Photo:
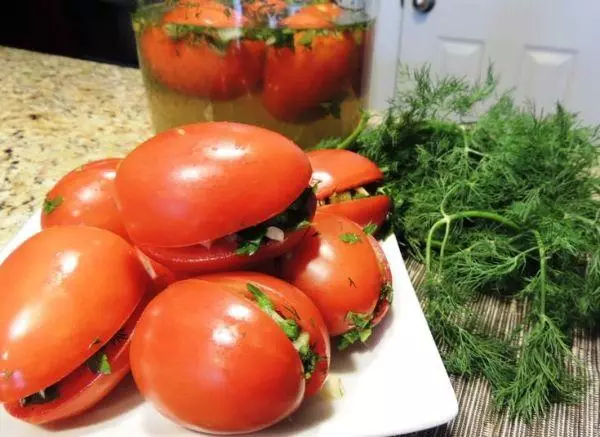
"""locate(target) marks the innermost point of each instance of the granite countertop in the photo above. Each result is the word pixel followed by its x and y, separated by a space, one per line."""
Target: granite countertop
pixel 57 113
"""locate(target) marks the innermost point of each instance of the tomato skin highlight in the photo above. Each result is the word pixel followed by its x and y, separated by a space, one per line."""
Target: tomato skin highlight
pixel 87 197
pixel 63 289
pixel 82 389
pixel 340 277
pixel 338 170
pixel 189 178
pixel 286 297
pixel 210 360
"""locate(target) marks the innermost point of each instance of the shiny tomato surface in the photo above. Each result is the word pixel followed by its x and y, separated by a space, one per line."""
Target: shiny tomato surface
pixel 83 388
pixel 207 180
pixel 363 211
pixel 85 196
pixel 209 359
pixel 196 67
pixel 63 290
pixel 290 302
pixel 297 81
pixel 338 170
pixel 336 266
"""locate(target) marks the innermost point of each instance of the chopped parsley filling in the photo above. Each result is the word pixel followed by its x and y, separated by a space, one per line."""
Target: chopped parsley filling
pixel 97 363
pixel 362 324
pixel 299 338
pixel 294 217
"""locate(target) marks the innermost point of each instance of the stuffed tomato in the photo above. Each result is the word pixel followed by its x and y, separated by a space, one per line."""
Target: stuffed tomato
pixel 215 196
pixel 229 352
pixel 85 196
pixel 344 271
pixel 193 50
pixel 70 298
pixel 347 184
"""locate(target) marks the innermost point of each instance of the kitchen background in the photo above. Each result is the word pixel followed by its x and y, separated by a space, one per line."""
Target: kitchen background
pixel 546 49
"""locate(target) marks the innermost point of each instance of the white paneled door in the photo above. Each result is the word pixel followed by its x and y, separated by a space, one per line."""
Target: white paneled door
pixel 547 50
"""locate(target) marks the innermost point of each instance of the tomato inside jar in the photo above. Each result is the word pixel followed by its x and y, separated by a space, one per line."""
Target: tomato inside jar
pixel 297 68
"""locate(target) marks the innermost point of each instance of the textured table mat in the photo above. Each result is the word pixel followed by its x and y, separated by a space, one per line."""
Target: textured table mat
pixel 476 417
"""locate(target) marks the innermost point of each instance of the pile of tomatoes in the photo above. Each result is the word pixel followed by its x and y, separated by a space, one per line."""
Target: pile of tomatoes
pixel 214 261
pixel 212 50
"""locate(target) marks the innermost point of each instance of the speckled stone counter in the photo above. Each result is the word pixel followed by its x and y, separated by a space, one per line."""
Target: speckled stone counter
pixel 57 113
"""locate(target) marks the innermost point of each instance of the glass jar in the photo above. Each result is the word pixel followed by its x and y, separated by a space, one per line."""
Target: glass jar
pixel 297 67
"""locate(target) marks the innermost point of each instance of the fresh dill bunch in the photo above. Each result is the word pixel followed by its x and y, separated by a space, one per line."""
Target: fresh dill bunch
pixel 502 202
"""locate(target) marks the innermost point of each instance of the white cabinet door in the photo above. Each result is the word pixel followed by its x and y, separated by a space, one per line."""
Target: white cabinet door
pixel 547 50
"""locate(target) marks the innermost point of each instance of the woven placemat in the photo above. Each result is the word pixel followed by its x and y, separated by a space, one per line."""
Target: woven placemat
pixel 476 418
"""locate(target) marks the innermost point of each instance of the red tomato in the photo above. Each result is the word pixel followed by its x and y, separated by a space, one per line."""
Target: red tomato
pixel 250 377
pixel 206 182
pixel 83 388
pixel 290 303
pixel 85 196
pixel 63 290
pixel 203 182
pixel 297 81
pixel 336 171
pixel 193 65
pixel 338 268
pixel 363 211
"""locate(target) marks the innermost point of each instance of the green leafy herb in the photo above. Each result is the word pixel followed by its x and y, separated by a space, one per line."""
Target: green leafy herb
pixel 361 330
pixel 301 339
pixel 250 247
pixel 51 204
pixel 387 293
pixel 307 37
pixel 497 203
pixel 289 326
pixel 308 356
pixel 303 224
pixel 350 238
pixel 98 363
pixel 294 217
pixel 370 229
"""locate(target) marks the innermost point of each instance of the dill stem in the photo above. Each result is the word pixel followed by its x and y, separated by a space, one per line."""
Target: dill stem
pixel 444 242
pixel 362 123
pixel 447 219
pixel 430 235
pixel 542 252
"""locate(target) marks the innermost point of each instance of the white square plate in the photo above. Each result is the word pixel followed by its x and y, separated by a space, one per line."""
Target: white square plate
pixel 394 385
